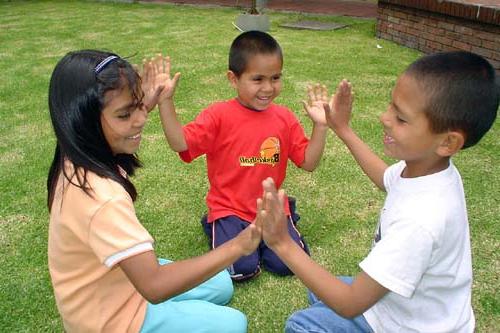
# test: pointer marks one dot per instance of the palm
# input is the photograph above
(340, 107)
(156, 81)
(317, 97)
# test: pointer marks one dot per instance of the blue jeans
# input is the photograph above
(200, 309)
(318, 317)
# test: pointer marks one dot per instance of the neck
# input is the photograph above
(414, 170)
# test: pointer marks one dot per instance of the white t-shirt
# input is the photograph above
(422, 255)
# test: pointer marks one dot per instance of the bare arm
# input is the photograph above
(338, 114)
(157, 282)
(317, 96)
(346, 300)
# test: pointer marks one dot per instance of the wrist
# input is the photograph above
(166, 103)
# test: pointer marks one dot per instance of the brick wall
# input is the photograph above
(433, 26)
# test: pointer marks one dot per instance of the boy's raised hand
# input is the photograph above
(317, 96)
(338, 110)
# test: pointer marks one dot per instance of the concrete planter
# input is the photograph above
(247, 22)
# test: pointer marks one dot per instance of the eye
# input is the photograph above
(124, 115)
(276, 78)
(400, 120)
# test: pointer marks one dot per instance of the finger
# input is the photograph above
(306, 106)
(175, 79)
(167, 65)
(317, 91)
(310, 94)
(324, 93)
(281, 197)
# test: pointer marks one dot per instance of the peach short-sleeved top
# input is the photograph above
(88, 237)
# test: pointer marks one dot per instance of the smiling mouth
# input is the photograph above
(134, 137)
(388, 139)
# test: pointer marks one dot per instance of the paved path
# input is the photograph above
(332, 7)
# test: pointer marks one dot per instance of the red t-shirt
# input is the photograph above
(243, 147)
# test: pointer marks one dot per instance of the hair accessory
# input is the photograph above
(103, 63)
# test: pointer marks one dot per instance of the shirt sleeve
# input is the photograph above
(298, 142)
(392, 173)
(115, 232)
(199, 135)
(400, 258)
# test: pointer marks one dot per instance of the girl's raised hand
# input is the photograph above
(157, 84)
(274, 220)
(250, 238)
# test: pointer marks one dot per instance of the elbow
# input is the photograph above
(349, 313)
(308, 168)
(153, 294)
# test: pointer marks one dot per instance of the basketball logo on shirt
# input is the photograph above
(269, 153)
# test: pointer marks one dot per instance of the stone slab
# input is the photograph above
(313, 25)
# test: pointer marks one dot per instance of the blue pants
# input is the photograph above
(226, 228)
(319, 318)
(200, 309)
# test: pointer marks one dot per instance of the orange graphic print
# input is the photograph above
(269, 154)
(270, 147)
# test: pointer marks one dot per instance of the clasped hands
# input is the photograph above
(270, 223)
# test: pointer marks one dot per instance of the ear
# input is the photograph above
(452, 142)
(233, 79)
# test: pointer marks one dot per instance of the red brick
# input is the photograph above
(463, 30)
(488, 36)
(393, 19)
(446, 26)
(495, 55)
(490, 45)
(414, 32)
(401, 15)
(434, 45)
(444, 40)
(461, 45)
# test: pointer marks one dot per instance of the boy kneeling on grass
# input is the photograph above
(418, 274)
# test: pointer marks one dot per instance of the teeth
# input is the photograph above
(135, 136)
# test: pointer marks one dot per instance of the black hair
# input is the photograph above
(462, 93)
(76, 100)
(248, 44)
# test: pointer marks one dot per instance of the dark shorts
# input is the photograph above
(226, 228)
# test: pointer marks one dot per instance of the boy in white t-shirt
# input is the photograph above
(418, 275)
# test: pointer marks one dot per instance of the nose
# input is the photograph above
(140, 117)
(384, 118)
(268, 85)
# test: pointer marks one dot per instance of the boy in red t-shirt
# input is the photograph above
(246, 140)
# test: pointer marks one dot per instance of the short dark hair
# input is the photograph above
(248, 44)
(76, 100)
(462, 93)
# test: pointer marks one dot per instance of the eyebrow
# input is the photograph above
(125, 107)
(397, 108)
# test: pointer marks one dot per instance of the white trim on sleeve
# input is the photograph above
(136, 249)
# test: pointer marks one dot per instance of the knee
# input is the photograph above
(237, 323)
(295, 324)
(229, 320)
(224, 287)
(245, 268)
(277, 267)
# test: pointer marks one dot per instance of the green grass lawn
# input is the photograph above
(338, 204)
